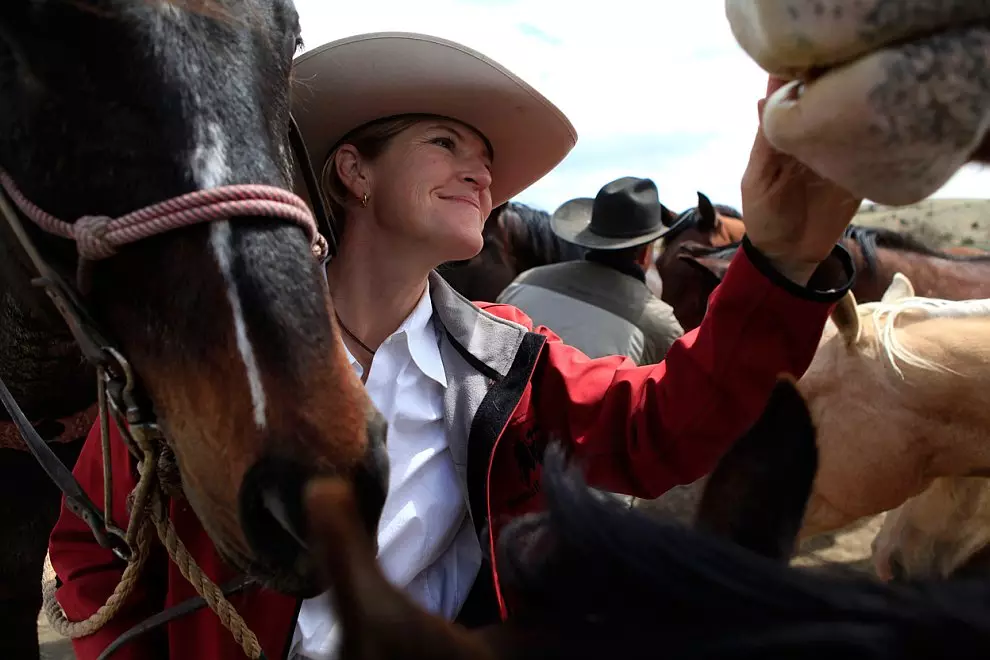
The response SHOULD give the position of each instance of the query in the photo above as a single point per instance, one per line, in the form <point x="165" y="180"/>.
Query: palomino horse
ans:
<point x="941" y="532"/>
<point x="944" y="531"/>
<point x="877" y="254"/>
<point x="590" y="579"/>
<point x="896" y="391"/>
<point x="889" y="97"/>
<point x="516" y="238"/>
<point x="206" y="316"/>
<point x="707" y="224"/>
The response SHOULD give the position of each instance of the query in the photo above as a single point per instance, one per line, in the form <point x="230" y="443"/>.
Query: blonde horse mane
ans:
<point x="899" y="300"/>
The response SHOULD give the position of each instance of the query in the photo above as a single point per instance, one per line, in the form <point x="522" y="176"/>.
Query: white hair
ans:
<point x="885" y="315"/>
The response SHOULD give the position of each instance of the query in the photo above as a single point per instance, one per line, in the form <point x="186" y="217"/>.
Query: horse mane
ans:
<point x="726" y="251"/>
<point x="885" y="315"/>
<point x="728" y="211"/>
<point x="529" y="233"/>
<point x="592" y="564"/>
<point x="869" y="239"/>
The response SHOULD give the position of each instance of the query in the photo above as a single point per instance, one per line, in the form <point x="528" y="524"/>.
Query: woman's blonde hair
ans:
<point x="370" y="141"/>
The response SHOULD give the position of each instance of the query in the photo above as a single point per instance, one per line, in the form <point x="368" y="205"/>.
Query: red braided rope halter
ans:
<point x="98" y="237"/>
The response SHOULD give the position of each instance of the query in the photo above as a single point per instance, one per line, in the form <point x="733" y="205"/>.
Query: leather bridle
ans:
<point x="119" y="392"/>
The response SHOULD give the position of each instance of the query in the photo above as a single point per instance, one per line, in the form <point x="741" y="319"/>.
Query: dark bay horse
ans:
<point x="707" y="224"/>
<point x="214" y="325"/>
<point x="516" y="238"/>
<point x="877" y="253"/>
<point x="591" y="579"/>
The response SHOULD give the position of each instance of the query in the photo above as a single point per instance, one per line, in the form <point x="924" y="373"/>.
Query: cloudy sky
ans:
<point x="655" y="88"/>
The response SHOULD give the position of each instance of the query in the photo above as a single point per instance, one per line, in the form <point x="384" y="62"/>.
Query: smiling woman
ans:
<point x="417" y="138"/>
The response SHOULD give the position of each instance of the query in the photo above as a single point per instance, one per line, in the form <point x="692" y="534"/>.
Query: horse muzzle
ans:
<point x="271" y="504"/>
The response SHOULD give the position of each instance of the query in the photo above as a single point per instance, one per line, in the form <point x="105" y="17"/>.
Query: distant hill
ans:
<point x="938" y="222"/>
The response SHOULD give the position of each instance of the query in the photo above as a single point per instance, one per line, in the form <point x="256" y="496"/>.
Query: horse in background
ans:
<point x="880" y="253"/>
<point x="877" y="254"/>
<point x="717" y="591"/>
<point x="224" y="327"/>
<point x="707" y="224"/>
<point x="517" y="237"/>
<point x="942" y="532"/>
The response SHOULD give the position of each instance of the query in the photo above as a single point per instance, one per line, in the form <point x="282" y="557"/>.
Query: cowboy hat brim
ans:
<point x="344" y="84"/>
<point x="571" y="222"/>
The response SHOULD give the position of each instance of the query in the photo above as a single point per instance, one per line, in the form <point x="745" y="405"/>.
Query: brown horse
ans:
<point x="877" y="253"/>
<point x="217" y="333"/>
<point x="707" y="225"/>
<point x="590" y="579"/>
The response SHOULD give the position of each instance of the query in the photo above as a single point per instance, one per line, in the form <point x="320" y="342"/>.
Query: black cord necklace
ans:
<point x="352" y="335"/>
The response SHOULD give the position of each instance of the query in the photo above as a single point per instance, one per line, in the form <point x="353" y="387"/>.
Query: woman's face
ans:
<point x="431" y="185"/>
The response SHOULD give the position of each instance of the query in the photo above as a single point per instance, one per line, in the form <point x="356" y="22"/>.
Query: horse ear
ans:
<point x="757" y="494"/>
<point x="845" y="316"/>
<point x="708" y="219"/>
<point x="712" y="267"/>
<point x="900" y="287"/>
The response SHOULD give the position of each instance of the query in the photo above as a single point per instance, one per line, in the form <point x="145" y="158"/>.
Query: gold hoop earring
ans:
<point x="364" y="201"/>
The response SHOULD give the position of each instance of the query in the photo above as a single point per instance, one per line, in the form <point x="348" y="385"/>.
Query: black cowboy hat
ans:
<point x="626" y="212"/>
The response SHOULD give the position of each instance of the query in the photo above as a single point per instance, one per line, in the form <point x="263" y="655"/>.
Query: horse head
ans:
<point x="691" y="271"/>
<point x="112" y="106"/>
<point x="888" y="99"/>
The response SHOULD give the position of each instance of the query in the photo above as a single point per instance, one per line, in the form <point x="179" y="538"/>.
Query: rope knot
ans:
<point x="90" y="234"/>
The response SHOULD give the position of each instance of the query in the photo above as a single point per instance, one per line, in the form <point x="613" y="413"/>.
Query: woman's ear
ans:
<point x="352" y="170"/>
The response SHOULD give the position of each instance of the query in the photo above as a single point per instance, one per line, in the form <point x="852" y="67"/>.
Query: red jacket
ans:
<point x="637" y="430"/>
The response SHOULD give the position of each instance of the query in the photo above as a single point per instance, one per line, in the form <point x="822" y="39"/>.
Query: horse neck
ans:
<point x="39" y="360"/>
<point x="932" y="276"/>
<point x="946" y="396"/>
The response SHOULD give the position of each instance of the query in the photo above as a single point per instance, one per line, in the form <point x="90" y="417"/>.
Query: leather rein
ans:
<point x="119" y="392"/>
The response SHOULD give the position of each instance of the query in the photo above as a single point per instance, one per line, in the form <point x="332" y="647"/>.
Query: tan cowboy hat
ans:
<point x="344" y="84"/>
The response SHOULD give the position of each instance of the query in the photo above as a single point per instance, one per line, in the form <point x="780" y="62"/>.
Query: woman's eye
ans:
<point x="444" y="142"/>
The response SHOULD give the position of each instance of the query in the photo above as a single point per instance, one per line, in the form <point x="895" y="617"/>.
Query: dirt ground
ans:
<point x="941" y="223"/>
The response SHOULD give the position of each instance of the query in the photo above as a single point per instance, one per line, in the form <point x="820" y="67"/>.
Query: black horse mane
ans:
<point x="600" y="568"/>
<point x="870" y="238"/>
<point x="531" y="234"/>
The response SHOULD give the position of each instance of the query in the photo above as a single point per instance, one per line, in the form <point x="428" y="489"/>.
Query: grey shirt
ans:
<point x="596" y="309"/>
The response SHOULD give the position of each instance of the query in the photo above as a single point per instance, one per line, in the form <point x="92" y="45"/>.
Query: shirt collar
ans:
<point x="421" y="339"/>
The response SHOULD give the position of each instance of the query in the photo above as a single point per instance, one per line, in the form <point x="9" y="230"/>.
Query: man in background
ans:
<point x="602" y="304"/>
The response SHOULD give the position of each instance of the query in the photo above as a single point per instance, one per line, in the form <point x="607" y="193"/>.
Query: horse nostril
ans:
<point x="896" y="567"/>
<point x="271" y="509"/>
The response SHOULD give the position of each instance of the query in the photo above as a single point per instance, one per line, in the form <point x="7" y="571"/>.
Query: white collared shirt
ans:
<point x="427" y="544"/>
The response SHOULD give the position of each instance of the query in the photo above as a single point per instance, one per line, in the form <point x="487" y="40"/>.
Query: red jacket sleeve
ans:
<point x="643" y="430"/>
<point x="89" y="573"/>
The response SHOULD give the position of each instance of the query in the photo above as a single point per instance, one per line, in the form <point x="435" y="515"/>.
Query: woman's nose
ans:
<point x="479" y="174"/>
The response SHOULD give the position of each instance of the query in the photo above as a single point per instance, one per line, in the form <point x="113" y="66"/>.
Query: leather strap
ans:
<point x="76" y="498"/>
<point x="324" y="220"/>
